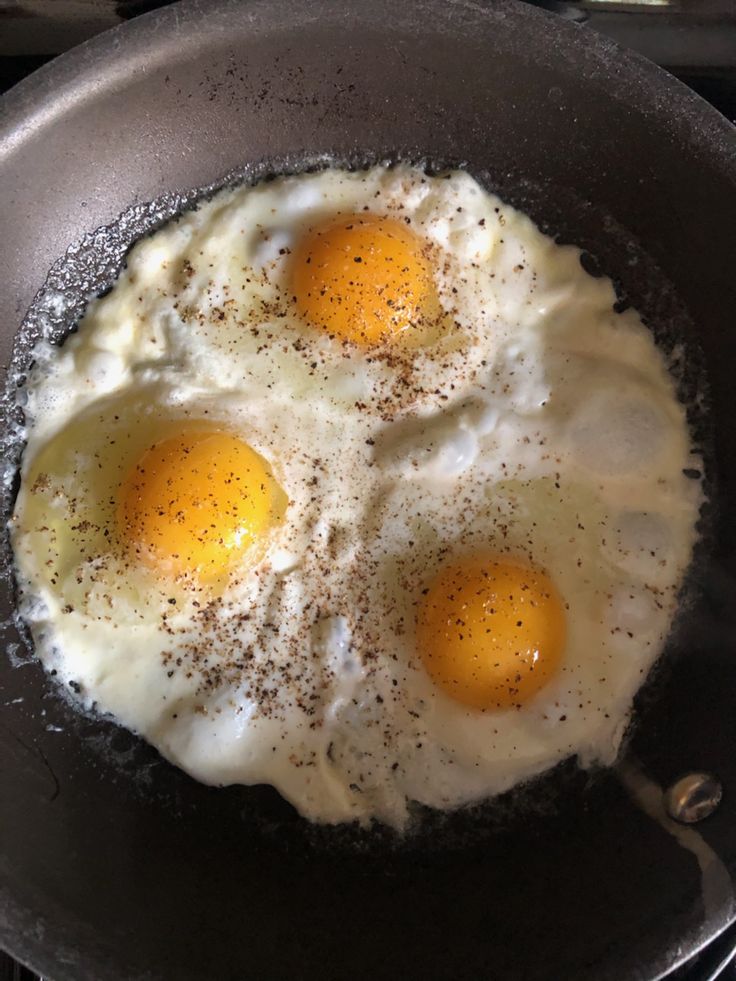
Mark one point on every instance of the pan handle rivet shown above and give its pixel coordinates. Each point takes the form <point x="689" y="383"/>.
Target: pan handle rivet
<point x="693" y="797"/>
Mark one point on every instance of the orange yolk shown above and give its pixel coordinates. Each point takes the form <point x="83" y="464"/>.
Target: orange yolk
<point x="362" y="278"/>
<point x="196" y="502"/>
<point x="491" y="632"/>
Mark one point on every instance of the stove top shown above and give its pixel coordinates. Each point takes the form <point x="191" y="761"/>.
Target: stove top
<point x="693" y="39"/>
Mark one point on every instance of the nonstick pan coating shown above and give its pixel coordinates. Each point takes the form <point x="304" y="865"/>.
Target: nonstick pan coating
<point x="113" y="865"/>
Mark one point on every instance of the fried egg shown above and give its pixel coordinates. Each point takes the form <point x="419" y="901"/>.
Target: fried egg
<point x="356" y="484"/>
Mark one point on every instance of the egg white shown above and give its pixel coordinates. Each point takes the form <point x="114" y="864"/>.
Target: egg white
<point x="541" y="425"/>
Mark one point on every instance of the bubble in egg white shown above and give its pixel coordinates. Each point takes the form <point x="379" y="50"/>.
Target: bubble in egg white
<point x="631" y="611"/>
<point x="642" y="545"/>
<point x="283" y="561"/>
<point x="431" y="449"/>
<point x="332" y="638"/>
<point x="271" y="246"/>
<point x="455" y="454"/>
<point x="617" y="436"/>
<point x="479" y="416"/>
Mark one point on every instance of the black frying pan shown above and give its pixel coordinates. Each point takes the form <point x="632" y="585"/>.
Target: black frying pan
<point x="114" y="865"/>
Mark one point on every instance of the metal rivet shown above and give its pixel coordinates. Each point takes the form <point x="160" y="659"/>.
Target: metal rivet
<point x="693" y="797"/>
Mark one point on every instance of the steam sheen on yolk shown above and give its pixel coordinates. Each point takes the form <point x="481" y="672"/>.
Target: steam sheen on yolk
<point x="491" y="632"/>
<point x="362" y="278"/>
<point x="196" y="502"/>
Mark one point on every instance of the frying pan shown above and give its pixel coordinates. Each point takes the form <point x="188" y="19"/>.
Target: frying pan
<point x="114" y="865"/>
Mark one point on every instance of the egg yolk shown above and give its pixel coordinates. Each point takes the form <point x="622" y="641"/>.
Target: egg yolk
<point x="491" y="632"/>
<point x="196" y="502"/>
<point x="362" y="278"/>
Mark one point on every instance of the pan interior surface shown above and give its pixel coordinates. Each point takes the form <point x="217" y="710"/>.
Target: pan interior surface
<point x="103" y="841"/>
